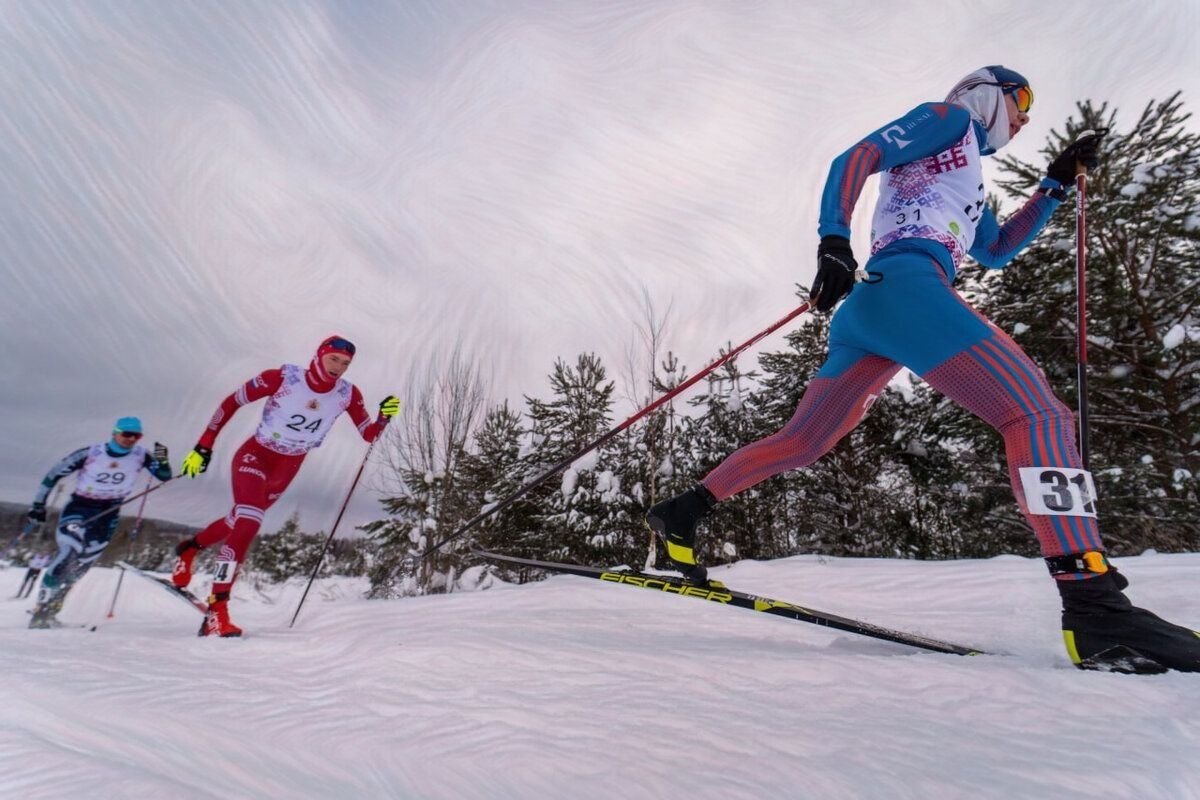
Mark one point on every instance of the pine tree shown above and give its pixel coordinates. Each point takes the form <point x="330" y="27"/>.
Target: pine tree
<point x="1143" y="222"/>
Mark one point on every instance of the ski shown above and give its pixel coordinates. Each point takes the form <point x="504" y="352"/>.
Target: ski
<point x="716" y="592"/>
<point x="182" y="594"/>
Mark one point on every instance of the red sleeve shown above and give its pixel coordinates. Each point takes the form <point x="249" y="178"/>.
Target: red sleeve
<point x="264" y="384"/>
<point x="362" y="418"/>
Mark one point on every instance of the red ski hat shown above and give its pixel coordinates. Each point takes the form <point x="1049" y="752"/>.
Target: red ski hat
<point x="336" y="344"/>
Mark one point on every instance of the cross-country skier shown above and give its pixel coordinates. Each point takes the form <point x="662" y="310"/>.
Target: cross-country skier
<point x="930" y="214"/>
<point x="34" y="571"/>
<point x="302" y="406"/>
<point x="108" y="473"/>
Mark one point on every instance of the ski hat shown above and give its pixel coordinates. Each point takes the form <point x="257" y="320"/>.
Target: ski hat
<point x="123" y="425"/>
<point x="334" y="344"/>
<point x="982" y="94"/>
<point x="127" y="425"/>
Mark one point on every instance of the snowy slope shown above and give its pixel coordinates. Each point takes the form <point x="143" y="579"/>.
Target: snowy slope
<point x="576" y="689"/>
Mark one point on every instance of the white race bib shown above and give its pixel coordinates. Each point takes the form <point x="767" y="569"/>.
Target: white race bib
<point x="1059" y="491"/>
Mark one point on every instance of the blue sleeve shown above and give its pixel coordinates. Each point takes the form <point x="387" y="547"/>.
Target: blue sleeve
<point x="59" y="471"/>
<point x="927" y="130"/>
<point x="995" y="245"/>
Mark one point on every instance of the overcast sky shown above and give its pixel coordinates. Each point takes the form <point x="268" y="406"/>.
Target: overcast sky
<point x="194" y="192"/>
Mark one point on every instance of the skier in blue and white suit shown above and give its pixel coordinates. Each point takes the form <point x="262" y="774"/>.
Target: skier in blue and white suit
<point x="108" y="473"/>
<point x="931" y="214"/>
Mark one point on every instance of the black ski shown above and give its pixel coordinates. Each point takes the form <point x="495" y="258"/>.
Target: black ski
<point x="716" y="592"/>
<point x="182" y="594"/>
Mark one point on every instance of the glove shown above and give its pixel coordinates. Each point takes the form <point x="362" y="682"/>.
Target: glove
<point x="160" y="453"/>
<point x="835" y="272"/>
<point x="390" y="407"/>
<point x="196" y="461"/>
<point x="1085" y="150"/>
<point x="37" y="512"/>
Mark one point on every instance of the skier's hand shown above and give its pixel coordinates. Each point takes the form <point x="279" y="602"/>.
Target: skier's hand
<point x="835" y="272"/>
<point x="390" y="407"/>
<point x="196" y="461"/>
<point x="160" y="453"/>
<point x="37" y="512"/>
<point x="1085" y="150"/>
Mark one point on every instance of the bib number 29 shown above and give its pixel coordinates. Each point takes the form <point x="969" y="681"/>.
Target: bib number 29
<point x="1059" y="491"/>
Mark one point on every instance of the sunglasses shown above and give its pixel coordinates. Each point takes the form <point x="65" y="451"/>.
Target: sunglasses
<point x="1022" y="95"/>
<point x="338" y="343"/>
<point x="129" y="435"/>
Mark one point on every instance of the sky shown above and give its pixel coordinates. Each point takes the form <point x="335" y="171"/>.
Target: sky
<point x="192" y="193"/>
<point x="573" y="688"/>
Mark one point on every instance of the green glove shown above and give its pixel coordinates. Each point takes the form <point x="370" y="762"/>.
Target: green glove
<point x="390" y="407"/>
<point x="196" y="461"/>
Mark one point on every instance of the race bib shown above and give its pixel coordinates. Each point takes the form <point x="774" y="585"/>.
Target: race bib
<point x="1059" y="491"/>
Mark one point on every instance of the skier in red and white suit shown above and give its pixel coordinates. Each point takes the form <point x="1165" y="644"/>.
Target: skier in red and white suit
<point x="301" y="407"/>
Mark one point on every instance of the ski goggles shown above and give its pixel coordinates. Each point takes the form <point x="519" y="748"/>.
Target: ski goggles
<point x="1022" y="95"/>
<point x="128" y="435"/>
<point x="339" y="344"/>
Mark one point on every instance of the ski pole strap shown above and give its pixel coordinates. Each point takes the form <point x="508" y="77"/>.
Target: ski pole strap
<point x="1093" y="561"/>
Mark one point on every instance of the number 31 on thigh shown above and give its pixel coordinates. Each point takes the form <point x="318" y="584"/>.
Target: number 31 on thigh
<point x="1059" y="491"/>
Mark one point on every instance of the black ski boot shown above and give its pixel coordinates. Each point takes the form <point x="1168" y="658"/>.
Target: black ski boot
<point x="1104" y="631"/>
<point x="674" y="522"/>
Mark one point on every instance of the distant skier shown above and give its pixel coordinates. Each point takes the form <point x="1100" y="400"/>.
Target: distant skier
<point x="34" y="571"/>
<point x="303" y="404"/>
<point x="108" y="473"/>
<point x="931" y="213"/>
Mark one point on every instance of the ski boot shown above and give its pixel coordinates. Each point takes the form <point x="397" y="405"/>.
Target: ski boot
<point x="185" y="553"/>
<point x="216" y="621"/>
<point x="674" y="522"/>
<point x="50" y="602"/>
<point x="1104" y="631"/>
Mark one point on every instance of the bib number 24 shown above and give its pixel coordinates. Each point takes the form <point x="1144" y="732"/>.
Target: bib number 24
<point x="300" y="423"/>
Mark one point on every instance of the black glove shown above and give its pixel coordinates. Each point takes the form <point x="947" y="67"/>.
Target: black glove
<point x="835" y="272"/>
<point x="160" y="453"/>
<point x="1084" y="150"/>
<point x="37" y="512"/>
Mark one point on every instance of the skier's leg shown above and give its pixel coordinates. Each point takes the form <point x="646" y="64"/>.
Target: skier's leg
<point x="244" y="471"/>
<point x="835" y="401"/>
<point x="31" y="579"/>
<point x="254" y="493"/>
<point x="58" y="576"/>
<point x="992" y="377"/>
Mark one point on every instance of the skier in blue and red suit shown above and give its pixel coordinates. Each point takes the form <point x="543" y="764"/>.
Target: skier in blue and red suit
<point x="931" y="213"/>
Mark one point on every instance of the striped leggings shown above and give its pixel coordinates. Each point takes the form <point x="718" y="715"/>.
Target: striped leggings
<point x="914" y="318"/>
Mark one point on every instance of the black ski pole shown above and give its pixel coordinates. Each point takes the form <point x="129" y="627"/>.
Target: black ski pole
<point x="1081" y="299"/>
<point x="126" y="501"/>
<point x="113" y="605"/>
<point x="333" y="530"/>
<point x="566" y="462"/>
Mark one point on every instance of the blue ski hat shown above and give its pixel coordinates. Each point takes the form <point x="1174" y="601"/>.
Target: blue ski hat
<point x="127" y="425"/>
<point x="982" y="94"/>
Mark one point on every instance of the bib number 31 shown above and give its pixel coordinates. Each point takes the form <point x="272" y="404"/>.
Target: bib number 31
<point x="1059" y="491"/>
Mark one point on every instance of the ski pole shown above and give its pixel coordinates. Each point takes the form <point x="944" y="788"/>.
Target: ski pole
<point x="126" y="501"/>
<point x="333" y="530"/>
<point x="112" y="606"/>
<point x="133" y="532"/>
<point x="1081" y="299"/>
<point x="566" y="462"/>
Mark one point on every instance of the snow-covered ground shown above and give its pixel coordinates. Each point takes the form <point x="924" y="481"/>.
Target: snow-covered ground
<point x="576" y="689"/>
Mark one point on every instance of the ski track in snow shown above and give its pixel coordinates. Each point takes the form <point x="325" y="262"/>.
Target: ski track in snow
<point x="572" y="688"/>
